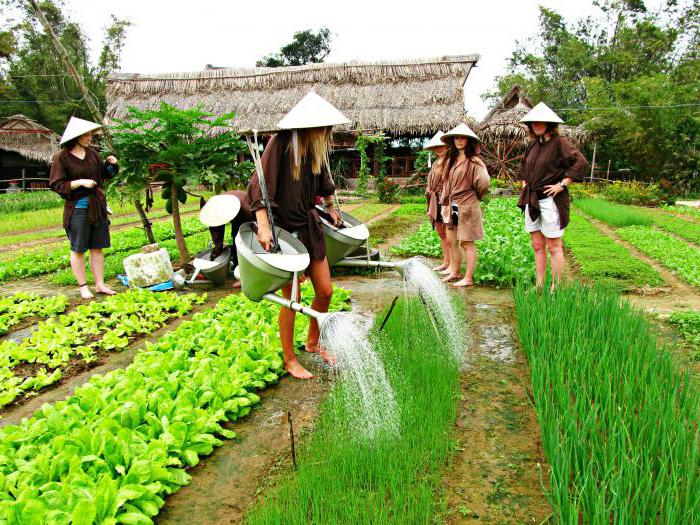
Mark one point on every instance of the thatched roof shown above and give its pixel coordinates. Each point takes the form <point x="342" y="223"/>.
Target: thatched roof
<point x="502" y="123"/>
<point x="28" y="138"/>
<point x="405" y="97"/>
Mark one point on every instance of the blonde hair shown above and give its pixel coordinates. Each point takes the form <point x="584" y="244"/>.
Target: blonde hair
<point x="314" y="143"/>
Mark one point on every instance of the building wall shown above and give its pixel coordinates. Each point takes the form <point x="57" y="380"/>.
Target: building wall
<point x="16" y="167"/>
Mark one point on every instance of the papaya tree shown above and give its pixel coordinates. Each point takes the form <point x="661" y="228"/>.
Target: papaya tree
<point x="180" y="148"/>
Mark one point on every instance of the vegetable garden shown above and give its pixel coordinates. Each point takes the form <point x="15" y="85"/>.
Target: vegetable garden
<point x="613" y="400"/>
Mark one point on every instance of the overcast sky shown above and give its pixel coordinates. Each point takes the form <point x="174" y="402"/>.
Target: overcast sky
<point x="176" y="35"/>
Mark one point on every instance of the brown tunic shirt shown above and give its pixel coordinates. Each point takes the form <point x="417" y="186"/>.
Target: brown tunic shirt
<point x="546" y="163"/>
<point x="292" y="201"/>
<point x="66" y="168"/>
<point x="433" y="188"/>
<point x="466" y="183"/>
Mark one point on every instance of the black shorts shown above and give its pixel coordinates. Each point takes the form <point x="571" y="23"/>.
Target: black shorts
<point x="83" y="235"/>
<point x="455" y="215"/>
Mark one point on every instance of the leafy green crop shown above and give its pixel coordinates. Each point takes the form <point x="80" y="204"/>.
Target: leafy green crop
<point x="677" y="255"/>
<point x="688" y="325"/>
<point x="81" y="333"/>
<point x="619" y="420"/>
<point x="601" y="260"/>
<point x="40" y="261"/>
<point x="505" y="254"/>
<point x="24" y="305"/>
<point x="115" y="449"/>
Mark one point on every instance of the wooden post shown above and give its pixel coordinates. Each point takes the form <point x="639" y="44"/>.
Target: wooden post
<point x="607" y="175"/>
<point x="595" y="150"/>
<point x="24" y="181"/>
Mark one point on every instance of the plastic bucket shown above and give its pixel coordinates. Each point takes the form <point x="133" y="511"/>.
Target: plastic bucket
<point x="343" y="240"/>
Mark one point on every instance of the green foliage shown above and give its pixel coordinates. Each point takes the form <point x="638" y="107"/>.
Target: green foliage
<point x="675" y="254"/>
<point x="29" y="201"/>
<point x="33" y="71"/>
<point x="610" y="71"/>
<point x="398" y="221"/>
<point x="340" y="170"/>
<point x="424" y="241"/>
<point x="633" y="192"/>
<point x="368" y="211"/>
<point x="82" y="333"/>
<point x="604" y="392"/>
<point x="362" y="145"/>
<point x="307" y="47"/>
<point x="25" y="305"/>
<point x="388" y="191"/>
<point x="343" y="479"/>
<point x="601" y="260"/>
<point x="420" y="165"/>
<point x="614" y="214"/>
<point x="688" y="325"/>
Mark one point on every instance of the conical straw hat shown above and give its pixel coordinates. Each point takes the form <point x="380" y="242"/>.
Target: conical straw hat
<point x="460" y="131"/>
<point x="219" y="210"/>
<point x="542" y="113"/>
<point x="312" y="111"/>
<point x="76" y="127"/>
<point x="435" y="142"/>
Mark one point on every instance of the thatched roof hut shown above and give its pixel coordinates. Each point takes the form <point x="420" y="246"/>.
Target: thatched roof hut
<point x="401" y="97"/>
<point x="22" y="135"/>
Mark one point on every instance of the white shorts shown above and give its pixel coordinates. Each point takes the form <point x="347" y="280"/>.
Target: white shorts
<point x="547" y="222"/>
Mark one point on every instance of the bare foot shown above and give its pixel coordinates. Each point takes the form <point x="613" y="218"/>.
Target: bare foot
<point x="85" y="292"/>
<point x="440" y="268"/>
<point x="105" y="290"/>
<point x="236" y="285"/>
<point x="463" y="283"/>
<point x="450" y="277"/>
<point x="446" y="271"/>
<point x="297" y="371"/>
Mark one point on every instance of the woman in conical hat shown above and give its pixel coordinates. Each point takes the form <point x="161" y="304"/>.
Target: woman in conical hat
<point x="550" y="164"/>
<point x="78" y="175"/>
<point x="466" y="182"/>
<point x="295" y="166"/>
<point x="433" y="189"/>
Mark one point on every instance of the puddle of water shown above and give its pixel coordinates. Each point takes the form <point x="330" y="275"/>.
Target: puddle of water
<point x="498" y="343"/>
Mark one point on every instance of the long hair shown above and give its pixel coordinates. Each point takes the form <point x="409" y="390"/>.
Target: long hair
<point x="313" y="148"/>
<point x="472" y="150"/>
<point x="69" y="144"/>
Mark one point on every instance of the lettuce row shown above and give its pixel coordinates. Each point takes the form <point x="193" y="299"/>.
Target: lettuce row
<point x="23" y="305"/>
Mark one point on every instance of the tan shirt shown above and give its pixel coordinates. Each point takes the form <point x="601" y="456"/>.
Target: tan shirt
<point x="466" y="182"/>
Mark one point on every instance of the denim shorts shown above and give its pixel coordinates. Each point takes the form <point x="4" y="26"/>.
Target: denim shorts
<point x="86" y="236"/>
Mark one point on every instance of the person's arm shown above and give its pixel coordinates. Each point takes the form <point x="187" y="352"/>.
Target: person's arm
<point x="575" y="171"/>
<point x="327" y="191"/>
<point x="58" y="180"/>
<point x="482" y="180"/>
<point x="270" y="161"/>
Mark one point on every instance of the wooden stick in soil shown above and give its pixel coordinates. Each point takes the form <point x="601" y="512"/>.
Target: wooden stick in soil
<point x="177" y="226"/>
<point x="388" y="314"/>
<point x="291" y="438"/>
<point x="87" y="97"/>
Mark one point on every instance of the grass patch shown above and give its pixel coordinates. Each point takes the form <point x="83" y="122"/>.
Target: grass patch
<point x="601" y="260"/>
<point x="341" y="479"/>
<point x="29" y="200"/>
<point x="365" y="212"/>
<point x="399" y="220"/>
<point x="688" y="326"/>
<point x="678" y="256"/>
<point x="619" y="420"/>
<point x="685" y="229"/>
<point x="614" y="214"/>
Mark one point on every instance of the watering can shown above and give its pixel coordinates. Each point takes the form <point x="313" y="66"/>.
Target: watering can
<point x="213" y="270"/>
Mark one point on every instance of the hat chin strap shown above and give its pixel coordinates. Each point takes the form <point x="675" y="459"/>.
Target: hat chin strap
<point x="295" y="147"/>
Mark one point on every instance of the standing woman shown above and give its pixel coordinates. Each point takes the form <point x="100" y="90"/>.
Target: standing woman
<point x="433" y="190"/>
<point x="294" y="164"/>
<point x="550" y="164"/>
<point x="467" y="181"/>
<point x="78" y="175"/>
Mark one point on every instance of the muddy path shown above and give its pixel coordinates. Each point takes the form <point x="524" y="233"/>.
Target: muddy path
<point x="495" y="473"/>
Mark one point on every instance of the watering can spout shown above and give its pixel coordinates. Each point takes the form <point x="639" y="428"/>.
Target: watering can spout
<point x="321" y="317"/>
<point x="399" y="266"/>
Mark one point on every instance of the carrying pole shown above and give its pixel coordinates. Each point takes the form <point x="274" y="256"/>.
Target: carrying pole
<point x="253" y="146"/>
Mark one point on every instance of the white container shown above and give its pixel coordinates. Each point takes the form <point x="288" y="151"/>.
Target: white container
<point x="147" y="269"/>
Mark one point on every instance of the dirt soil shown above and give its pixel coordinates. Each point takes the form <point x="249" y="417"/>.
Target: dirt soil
<point x="495" y="473"/>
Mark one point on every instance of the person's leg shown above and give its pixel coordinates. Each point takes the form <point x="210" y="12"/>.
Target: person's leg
<point x="555" y="248"/>
<point x="320" y="275"/>
<point x="440" y="229"/>
<point x="455" y="267"/>
<point x="470" y="258"/>
<point x="286" y="324"/>
<point x="539" y="247"/>
<point x="77" y="264"/>
<point x="97" y="265"/>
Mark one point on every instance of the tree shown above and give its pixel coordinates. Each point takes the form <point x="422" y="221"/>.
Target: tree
<point x="307" y="47"/>
<point x="180" y="148"/>
<point x="631" y="76"/>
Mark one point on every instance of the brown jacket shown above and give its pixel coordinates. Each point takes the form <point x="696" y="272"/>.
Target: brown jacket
<point x="433" y="188"/>
<point x="546" y="163"/>
<point x="292" y="201"/>
<point x="66" y="168"/>
<point x="466" y="183"/>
